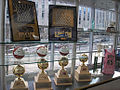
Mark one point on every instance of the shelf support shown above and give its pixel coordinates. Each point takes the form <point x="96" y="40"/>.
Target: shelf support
<point x="117" y="25"/>
<point x="74" y="44"/>
<point x="91" y="33"/>
<point x="2" y="51"/>
<point x="52" y="57"/>
<point x="73" y="60"/>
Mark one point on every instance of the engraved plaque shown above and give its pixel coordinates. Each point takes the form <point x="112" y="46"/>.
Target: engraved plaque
<point x="23" y="20"/>
<point x="62" y="23"/>
<point x="84" y="76"/>
<point x="43" y="85"/>
<point x="64" y="80"/>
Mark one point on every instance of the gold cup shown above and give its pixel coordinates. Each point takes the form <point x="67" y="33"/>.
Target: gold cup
<point x="82" y="72"/>
<point x="62" y="77"/>
<point x="43" y="65"/>
<point x="63" y="62"/>
<point x="84" y="59"/>
<point x="19" y="83"/>
<point x="42" y="80"/>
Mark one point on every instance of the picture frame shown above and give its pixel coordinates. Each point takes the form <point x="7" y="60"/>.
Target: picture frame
<point x="62" y="23"/>
<point x="23" y="21"/>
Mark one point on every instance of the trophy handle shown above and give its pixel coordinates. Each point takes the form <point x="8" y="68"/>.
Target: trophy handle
<point x="62" y="67"/>
<point x="43" y="72"/>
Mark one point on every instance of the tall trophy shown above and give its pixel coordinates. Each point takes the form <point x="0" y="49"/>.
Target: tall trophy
<point x="62" y="77"/>
<point x="42" y="80"/>
<point x="82" y="72"/>
<point x="96" y="71"/>
<point x="19" y="83"/>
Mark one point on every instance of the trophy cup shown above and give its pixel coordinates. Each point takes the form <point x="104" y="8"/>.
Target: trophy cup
<point x="19" y="83"/>
<point x="82" y="72"/>
<point x="62" y="77"/>
<point x="96" y="71"/>
<point x="99" y="49"/>
<point x="42" y="80"/>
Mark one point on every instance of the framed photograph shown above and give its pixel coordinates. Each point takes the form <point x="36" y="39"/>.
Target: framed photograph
<point x="62" y="23"/>
<point x="23" y="20"/>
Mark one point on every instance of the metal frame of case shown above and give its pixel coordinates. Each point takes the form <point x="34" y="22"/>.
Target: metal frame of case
<point x="2" y="29"/>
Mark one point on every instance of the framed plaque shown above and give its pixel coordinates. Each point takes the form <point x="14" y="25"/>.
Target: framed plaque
<point x="23" y="20"/>
<point x="62" y="23"/>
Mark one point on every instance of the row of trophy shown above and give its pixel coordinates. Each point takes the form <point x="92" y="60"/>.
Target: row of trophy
<point x="19" y="70"/>
<point x="42" y="81"/>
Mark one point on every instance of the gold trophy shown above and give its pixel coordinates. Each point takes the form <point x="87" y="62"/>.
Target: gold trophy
<point x="62" y="77"/>
<point x="99" y="47"/>
<point x="42" y="80"/>
<point x="82" y="72"/>
<point x="19" y="83"/>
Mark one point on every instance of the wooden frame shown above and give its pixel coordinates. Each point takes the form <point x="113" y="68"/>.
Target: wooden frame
<point x="62" y="23"/>
<point x="23" y="20"/>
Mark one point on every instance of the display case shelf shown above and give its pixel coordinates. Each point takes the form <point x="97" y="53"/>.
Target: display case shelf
<point x="32" y="62"/>
<point x="39" y="42"/>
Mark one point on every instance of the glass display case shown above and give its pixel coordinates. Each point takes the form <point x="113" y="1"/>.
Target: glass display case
<point x="93" y="18"/>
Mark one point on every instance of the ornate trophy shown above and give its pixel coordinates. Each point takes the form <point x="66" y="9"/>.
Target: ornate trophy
<point x="99" y="47"/>
<point x="42" y="80"/>
<point x="19" y="83"/>
<point x="62" y="77"/>
<point x="96" y="71"/>
<point x="82" y="72"/>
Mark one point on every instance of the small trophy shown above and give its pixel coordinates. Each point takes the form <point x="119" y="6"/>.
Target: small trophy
<point x="42" y="80"/>
<point x="99" y="47"/>
<point x="111" y="28"/>
<point x="19" y="83"/>
<point x="82" y="72"/>
<point x="62" y="77"/>
<point x="96" y="71"/>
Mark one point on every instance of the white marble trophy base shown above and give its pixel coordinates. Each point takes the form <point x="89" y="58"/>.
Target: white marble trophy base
<point x="42" y="82"/>
<point x="82" y="74"/>
<point x="62" y="78"/>
<point x="19" y="84"/>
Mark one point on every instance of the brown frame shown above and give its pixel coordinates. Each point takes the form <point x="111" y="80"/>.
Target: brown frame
<point x="23" y="20"/>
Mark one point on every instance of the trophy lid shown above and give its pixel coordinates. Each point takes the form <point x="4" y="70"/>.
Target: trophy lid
<point x="64" y="50"/>
<point x="18" y="52"/>
<point x="83" y="58"/>
<point x="42" y="51"/>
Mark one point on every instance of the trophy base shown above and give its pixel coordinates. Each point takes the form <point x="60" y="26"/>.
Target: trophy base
<point x="19" y="84"/>
<point x="62" y="80"/>
<point x="82" y="74"/>
<point x="82" y="77"/>
<point x="43" y="84"/>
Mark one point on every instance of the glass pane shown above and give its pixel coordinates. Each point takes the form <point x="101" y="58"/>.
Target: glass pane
<point x="103" y="19"/>
<point x="58" y="56"/>
<point x="102" y="39"/>
<point x="84" y="17"/>
<point x="84" y="38"/>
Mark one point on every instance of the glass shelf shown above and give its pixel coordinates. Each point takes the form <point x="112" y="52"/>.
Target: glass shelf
<point x="32" y="62"/>
<point x="48" y="42"/>
<point x="39" y="42"/>
<point x="97" y="31"/>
